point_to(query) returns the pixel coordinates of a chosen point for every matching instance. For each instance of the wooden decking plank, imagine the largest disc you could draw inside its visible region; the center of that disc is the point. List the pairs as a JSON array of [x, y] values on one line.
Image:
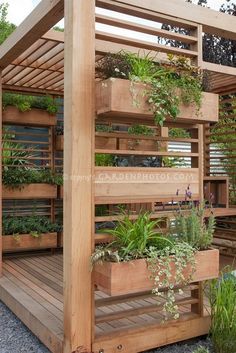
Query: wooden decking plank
[[19, 277], [39, 298], [42, 323], [35, 280], [43, 269]]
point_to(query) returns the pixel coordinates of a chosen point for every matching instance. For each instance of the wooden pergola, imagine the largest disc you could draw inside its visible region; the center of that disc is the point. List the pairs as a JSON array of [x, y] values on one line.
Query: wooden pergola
[[38, 60]]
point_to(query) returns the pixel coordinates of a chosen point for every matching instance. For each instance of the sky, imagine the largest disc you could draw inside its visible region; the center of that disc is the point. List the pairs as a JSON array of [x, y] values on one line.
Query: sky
[[19, 9]]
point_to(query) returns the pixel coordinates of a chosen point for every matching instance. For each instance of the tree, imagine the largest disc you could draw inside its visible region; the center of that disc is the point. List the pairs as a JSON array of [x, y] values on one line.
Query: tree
[[6, 28]]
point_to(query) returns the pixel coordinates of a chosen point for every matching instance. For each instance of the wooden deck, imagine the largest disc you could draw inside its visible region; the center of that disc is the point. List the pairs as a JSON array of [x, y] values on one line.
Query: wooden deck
[[32, 287]]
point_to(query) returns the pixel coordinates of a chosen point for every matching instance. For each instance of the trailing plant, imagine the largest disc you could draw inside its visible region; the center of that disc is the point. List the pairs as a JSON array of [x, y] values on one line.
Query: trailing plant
[[141, 130], [222, 294], [34, 225], [17, 177], [25, 103], [142, 239], [193, 228], [167, 85], [104, 160]]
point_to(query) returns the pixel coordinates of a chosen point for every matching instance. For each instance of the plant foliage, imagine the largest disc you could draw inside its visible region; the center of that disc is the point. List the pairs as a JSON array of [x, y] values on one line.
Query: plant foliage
[[18, 177], [34, 225], [25, 103]]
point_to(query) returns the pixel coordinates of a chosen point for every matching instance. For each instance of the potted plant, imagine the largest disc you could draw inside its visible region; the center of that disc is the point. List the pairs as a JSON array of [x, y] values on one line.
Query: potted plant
[[29, 233], [29, 110], [135, 88], [140, 258], [30, 183]]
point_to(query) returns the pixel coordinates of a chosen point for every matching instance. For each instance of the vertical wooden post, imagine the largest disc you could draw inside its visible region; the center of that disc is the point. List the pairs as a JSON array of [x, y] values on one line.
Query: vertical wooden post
[[198, 46], [1, 174], [78, 168]]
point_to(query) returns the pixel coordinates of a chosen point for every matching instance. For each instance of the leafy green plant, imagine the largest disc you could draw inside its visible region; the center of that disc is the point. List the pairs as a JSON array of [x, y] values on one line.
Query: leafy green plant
[[6, 28], [141, 239], [167, 85], [178, 132], [141, 130], [25, 103], [104, 160], [17, 177], [222, 294], [34, 225], [193, 228], [13, 153], [103, 128]]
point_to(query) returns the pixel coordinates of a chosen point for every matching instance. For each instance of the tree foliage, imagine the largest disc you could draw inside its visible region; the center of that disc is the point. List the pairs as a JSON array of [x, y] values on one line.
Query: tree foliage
[[6, 28]]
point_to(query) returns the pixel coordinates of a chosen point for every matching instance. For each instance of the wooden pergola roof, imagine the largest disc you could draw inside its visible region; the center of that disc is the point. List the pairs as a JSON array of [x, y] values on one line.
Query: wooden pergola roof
[[39, 68]]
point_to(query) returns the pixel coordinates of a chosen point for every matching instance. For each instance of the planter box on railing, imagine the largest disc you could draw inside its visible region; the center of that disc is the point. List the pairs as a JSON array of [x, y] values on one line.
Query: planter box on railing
[[134, 276], [134, 184], [33, 117], [30, 191], [22, 242], [116, 98]]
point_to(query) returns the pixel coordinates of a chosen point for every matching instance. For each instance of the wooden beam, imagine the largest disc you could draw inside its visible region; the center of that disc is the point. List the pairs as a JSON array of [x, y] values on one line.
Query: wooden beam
[[222, 69], [1, 174], [40, 20], [78, 168], [213, 22]]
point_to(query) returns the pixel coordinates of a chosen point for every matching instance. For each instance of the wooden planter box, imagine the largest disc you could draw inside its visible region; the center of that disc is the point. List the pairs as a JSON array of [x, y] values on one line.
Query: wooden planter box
[[24, 242], [33, 117], [114, 99], [30, 191], [134, 276]]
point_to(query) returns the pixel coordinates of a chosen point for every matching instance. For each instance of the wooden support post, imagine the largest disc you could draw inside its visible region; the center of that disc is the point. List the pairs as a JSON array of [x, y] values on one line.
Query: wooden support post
[[197, 46], [78, 169], [198, 308], [1, 174]]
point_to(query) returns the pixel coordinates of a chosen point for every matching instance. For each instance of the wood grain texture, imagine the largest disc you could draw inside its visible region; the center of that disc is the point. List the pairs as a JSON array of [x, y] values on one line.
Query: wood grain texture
[[30, 191], [1, 173], [134, 276], [24, 242], [33, 117], [78, 168], [115, 98]]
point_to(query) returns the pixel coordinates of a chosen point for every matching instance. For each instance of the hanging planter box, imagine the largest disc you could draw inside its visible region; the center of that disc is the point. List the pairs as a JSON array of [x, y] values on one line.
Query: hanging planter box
[[134, 276], [33, 117], [22, 242], [59, 142], [122, 100], [30, 191]]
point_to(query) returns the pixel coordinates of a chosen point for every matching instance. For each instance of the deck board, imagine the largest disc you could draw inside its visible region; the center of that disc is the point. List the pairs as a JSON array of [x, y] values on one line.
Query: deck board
[[32, 287]]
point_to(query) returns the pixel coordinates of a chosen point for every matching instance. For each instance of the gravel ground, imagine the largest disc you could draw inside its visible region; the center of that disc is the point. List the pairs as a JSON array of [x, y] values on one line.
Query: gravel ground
[[16, 338]]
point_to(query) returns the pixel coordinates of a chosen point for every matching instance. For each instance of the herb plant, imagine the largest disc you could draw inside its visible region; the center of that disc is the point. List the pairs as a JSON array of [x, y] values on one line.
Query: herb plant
[[104, 160], [193, 228], [141, 130], [34, 225], [17, 177], [25, 103]]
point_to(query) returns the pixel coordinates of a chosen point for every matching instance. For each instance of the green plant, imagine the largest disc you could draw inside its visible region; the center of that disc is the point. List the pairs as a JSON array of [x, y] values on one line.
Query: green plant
[[34, 225], [178, 132], [6, 28], [222, 294], [25, 103], [167, 85], [103, 128], [103, 160], [14, 153], [17, 177], [141, 239], [141, 130], [193, 228]]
